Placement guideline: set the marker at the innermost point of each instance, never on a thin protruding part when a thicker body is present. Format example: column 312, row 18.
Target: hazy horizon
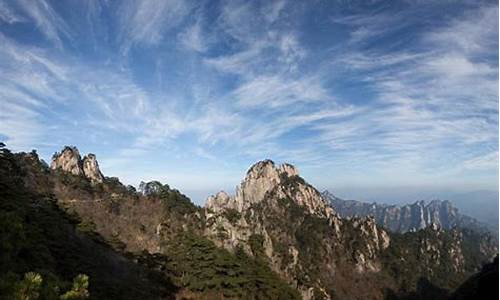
column 367, row 99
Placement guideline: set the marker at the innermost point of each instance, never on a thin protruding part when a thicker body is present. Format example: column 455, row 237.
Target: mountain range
column 409, row 217
column 277, row 237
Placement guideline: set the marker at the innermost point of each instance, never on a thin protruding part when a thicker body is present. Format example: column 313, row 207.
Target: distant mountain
column 410, row 217
column 276, row 238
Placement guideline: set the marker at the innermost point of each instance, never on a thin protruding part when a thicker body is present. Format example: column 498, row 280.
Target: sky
column 360, row 96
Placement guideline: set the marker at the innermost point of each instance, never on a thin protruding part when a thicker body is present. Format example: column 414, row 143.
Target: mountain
column 44, row 244
column 276, row 238
column 482, row 285
column 410, row 217
column 278, row 216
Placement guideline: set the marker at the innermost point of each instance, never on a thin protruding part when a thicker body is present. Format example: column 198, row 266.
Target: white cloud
column 488, row 161
column 441, row 97
column 145, row 22
column 192, row 38
column 47, row 20
column 7, row 15
column 273, row 9
column 275, row 91
column 473, row 33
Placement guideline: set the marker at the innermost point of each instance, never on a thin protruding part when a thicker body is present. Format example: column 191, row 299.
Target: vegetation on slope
column 60, row 238
column 41, row 250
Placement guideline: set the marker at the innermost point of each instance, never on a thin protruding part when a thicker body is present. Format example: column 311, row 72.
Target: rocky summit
column 265, row 177
column 277, row 237
column 275, row 214
column 69, row 160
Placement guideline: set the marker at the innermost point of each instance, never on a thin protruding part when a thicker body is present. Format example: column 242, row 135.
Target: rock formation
column 271, row 215
column 150, row 188
column 69, row 160
column 264, row 177
column 91, row 168
column 410, row 217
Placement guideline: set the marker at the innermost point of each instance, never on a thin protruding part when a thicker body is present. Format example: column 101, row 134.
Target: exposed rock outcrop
column 69, row 160
column 275, row 213
column 264, row 177
column 150, row 188
column 91, row 168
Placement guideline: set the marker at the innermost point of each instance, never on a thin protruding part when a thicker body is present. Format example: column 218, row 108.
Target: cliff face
column 410, row 217
column 263, row 178
column 69, row 160
column 91, row 168
column 275, row 214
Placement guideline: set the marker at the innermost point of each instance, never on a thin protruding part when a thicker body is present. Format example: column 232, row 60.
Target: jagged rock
column 220, row 201
column 150, row 188
column 91, row 168
column 261, row 208
column 69, row 160
column 262, row 178
column 411, row 217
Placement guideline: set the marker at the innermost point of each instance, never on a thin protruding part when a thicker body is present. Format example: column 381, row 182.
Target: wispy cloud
column 192, row 39
column 47, row 20
column 274, row 91
column 340, row 90
column 145, row 22
column 8, row 15
column 428, row 100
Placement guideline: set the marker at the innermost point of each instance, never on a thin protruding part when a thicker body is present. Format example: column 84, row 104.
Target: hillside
column 277, row 238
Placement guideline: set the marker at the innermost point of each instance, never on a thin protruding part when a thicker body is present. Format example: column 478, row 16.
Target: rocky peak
column 150, row 188
column 264, row 177
column 69, row 160
column 91, row 168
column 220, row 201
column 264, row 168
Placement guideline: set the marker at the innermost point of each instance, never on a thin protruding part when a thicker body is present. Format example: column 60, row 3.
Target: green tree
column 29, row 287
column 79, row 290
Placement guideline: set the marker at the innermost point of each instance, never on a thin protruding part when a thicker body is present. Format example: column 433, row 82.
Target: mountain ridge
column 276, row 236
column 407, row 217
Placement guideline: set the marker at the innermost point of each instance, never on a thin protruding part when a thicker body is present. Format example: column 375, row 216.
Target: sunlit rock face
column 220, row 201
column 270, row 206
column 91, row 168
column 265, row 177
column 69, row 160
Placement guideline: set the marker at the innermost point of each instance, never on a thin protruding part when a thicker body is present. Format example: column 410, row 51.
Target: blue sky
column 358, row 95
